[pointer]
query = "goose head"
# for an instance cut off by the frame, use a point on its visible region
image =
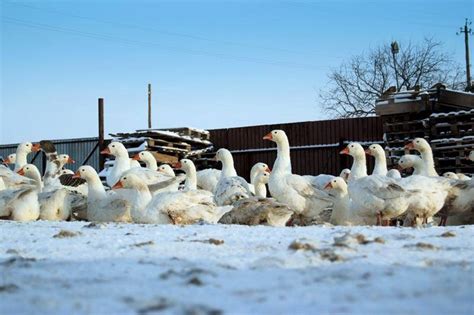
(66, 172)
(345, 173)
(11, 159)
(408, 160)
(28, 147)
(66, 159)
(259, 168)
(451, 175)
(375, 150)
(186, 165)
(145, 156)
(262, 178)
(277, 136)
(224, 156)
(337, 183)
(86, 172)
(166, 169)
(129, 181)
(116, 149)
(30, 171)
(418, 144)
(353, 149)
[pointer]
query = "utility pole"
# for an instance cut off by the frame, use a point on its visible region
(149, 106)
(101, 132)
(467, 31)
(395, 50)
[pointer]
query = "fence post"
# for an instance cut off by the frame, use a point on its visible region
(101, 133)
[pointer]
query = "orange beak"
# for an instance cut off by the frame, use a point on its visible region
(368, 152)
(105, 151)
(71, 161)
(21, 172)
(328, 186)
(177, 165)
(36, 147)
(345, 151)
(136, 157)
(410, 146)
(76, 175)
(118, 185)
(7, 161)
(269, 170)
(268, 136)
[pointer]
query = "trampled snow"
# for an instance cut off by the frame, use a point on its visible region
(145, 269)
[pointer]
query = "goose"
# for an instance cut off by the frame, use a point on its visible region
(380, 167)
(22, 152)
(376, 195)
(258, 211)
(156, 181)
(450, 175)
(136, 193)
(298, 192)
(260, 182)
(122, 162)
(103, 206)
(343, 212)
(11, 159)
(230, 187)
(20, 203)
(207, 179)
(345, 173)
(184, 207)
(189, 168)
(413, 161)
(255, 171)
(167, 170)
(422, 146)
(395, 174)
(148, 158)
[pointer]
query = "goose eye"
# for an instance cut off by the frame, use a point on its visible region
(352, 146)
(125, 178)
(113, 146)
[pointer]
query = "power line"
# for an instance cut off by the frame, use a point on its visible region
(48, 27)
(166, 32)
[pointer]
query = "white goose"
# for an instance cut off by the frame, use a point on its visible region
(157, 182)
(343, 212)
(167, 170)
(395, 174)
(11, 159)
(380, 167)
(103, 206)
(345, 173)
(230, 187)
(300, 193)
(21, 204)
(260, 182)
(189, 168)
(136, 193)
(374, 196)
(422, 146)
(207, 179)
(413, 161)
(22, 152)
(255, 171)
(148, 158)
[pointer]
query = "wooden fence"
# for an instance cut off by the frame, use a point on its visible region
(315, 145)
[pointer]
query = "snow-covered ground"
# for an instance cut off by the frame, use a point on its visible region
(219, 269)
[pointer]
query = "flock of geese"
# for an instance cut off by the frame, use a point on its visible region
(155, 194)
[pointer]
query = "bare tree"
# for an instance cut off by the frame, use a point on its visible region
(353, 87)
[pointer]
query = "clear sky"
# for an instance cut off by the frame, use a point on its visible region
(212, 64)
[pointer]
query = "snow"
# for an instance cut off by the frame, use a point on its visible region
(455, 113)
(144, 269)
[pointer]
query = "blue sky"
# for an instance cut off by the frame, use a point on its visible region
(212, 64)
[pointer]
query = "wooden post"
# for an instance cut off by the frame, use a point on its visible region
(149, 106)
(101, 133)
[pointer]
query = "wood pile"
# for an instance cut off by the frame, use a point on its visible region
(169, 145)
(443, 117)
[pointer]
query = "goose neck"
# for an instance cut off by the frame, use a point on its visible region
(283, 161)
(359, 167)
